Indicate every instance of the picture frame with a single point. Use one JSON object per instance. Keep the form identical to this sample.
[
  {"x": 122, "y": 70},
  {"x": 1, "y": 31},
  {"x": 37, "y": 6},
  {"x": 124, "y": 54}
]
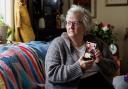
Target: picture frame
[
  {"x": 116, "y": 2},
  {"x": 93, "y": 8},
  {"x": 88, "y": 4}
]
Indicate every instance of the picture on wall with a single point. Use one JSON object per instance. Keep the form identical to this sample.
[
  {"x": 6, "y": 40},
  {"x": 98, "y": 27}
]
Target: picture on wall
[
  {"x": 88, "y": 4},
  {"x": 116, "y": 2}
]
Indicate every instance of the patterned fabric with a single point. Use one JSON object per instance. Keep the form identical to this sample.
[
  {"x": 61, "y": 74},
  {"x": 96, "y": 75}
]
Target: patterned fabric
[{"x": 22, "y": 65}]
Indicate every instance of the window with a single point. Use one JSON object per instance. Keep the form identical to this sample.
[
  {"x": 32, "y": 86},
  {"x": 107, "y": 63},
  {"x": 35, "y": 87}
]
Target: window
[
  {"x": 3, "y": 9},
  {"x": 6, "y": 11}
]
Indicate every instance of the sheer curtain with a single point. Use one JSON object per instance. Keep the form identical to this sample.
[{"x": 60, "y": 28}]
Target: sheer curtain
[{"x": 7, "y": 12}]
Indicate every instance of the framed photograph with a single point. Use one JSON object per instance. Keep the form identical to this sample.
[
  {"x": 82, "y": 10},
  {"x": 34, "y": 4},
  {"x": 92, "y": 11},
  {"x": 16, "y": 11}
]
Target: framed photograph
[
  {"x": 88, "y": 4},
  {"x": 116, "y": 2}
]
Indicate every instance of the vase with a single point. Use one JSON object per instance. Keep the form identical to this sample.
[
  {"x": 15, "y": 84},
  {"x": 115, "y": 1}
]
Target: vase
[{"x": 3, "y": 34}]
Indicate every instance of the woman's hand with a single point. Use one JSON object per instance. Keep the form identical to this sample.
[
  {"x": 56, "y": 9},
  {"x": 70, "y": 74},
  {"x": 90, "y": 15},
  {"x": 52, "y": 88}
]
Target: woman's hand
[
  {"x": 97, "y": 56},
  {"x": 85, "y": 64}
]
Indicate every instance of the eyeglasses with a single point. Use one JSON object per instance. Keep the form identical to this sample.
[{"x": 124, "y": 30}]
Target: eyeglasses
[{"x": 74, "y": 23}]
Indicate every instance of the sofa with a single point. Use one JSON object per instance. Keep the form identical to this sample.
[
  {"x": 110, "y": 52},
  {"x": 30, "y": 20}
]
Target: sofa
[{"x": 22, "y": 65}]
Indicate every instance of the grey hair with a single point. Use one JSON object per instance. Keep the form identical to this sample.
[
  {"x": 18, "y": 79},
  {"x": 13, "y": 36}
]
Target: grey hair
[{"x": 86, "y": 16}]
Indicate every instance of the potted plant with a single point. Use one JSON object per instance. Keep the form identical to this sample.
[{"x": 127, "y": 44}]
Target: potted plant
[
  {"x": 3, "y": 30},
  {"x": 104, "y": 31}
]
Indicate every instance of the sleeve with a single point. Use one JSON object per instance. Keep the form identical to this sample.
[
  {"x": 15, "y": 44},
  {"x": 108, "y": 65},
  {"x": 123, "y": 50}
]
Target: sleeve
[
  {"x": 56, "y": 72},
  {"x": 107, "y": 65}
]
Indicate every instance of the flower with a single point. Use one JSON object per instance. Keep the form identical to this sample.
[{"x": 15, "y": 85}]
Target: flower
[{"x": 104, "y": 31}]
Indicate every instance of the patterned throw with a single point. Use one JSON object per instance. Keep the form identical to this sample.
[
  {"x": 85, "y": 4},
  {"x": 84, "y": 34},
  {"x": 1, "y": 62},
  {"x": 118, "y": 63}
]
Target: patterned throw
[{"x": 22, "y": 65}]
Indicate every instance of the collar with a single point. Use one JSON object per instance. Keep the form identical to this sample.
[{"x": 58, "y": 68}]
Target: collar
[{"x": 67, "y": 40}]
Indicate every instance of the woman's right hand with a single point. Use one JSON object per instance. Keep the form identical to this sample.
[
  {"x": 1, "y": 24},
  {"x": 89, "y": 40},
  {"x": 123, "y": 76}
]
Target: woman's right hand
[{"x": 85, "y": 64}]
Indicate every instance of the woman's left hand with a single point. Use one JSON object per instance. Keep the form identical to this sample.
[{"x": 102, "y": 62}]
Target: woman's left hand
[{"x": 97, "y": 56}]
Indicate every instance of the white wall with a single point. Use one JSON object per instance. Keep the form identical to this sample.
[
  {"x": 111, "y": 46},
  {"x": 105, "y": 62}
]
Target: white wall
[{"x": 116, "y": 16}]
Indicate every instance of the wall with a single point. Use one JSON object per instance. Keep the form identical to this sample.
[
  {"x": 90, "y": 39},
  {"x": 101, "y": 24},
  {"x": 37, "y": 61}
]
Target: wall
[{"x": 114, "y": 15}]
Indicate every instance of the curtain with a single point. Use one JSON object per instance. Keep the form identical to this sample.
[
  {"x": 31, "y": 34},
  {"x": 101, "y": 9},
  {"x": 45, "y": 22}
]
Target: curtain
[
  {"x": 23, "y": 28},
  {"x": 9, "y": 19}
]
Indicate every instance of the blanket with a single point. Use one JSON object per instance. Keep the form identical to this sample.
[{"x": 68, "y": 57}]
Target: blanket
[{"x": 22, "y": 65}]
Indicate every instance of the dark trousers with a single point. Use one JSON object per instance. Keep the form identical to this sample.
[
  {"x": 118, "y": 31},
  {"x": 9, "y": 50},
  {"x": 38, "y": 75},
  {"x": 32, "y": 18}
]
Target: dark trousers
[{"x": 96, "y": 81}]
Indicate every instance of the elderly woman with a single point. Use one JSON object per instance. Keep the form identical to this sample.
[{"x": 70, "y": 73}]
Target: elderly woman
[{"x": 76, "y": 59}]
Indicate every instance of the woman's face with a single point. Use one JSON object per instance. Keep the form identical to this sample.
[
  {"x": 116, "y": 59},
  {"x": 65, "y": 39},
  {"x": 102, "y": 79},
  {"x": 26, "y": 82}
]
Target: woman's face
[{"x": 74, "y": 25}]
